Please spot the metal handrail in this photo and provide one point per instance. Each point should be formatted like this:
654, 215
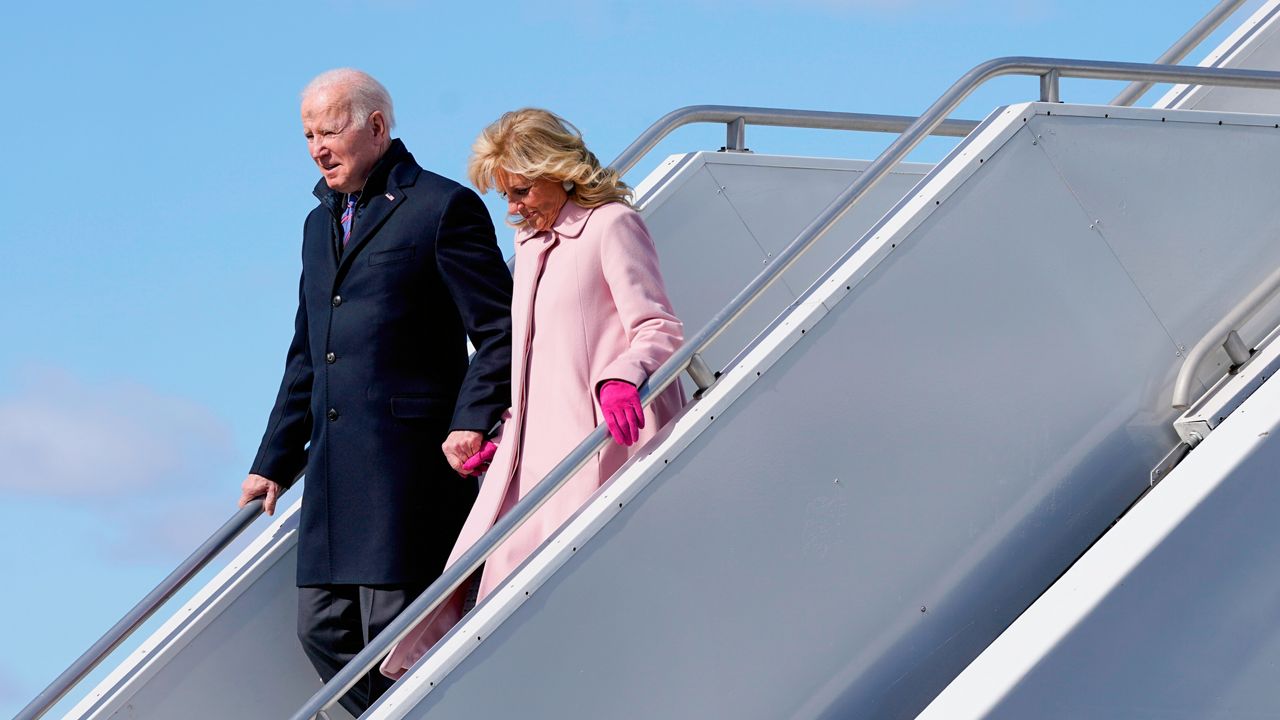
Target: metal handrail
141, 612
735, 117
1181, 48
1224, 334
1049, 69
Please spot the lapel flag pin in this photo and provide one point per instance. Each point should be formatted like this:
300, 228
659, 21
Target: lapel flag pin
390, 196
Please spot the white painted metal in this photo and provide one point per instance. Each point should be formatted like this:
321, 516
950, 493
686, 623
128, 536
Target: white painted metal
1172, 280
1254, 45
1172, 615
869, 496
721, 216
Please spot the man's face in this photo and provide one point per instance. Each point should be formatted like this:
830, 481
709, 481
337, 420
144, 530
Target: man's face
344, 152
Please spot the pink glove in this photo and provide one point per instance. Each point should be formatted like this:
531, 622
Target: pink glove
479, 462
622, 411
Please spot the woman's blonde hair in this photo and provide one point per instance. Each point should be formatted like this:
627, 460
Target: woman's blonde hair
537, 144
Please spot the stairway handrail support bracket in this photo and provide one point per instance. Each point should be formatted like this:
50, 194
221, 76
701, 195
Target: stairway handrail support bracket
1224, 334
936, 115
736, 117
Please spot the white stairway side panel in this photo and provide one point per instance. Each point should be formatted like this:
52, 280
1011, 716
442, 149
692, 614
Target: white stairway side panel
778, 197
707, 256
896, 485
1173, 614
1161, 228
722, 216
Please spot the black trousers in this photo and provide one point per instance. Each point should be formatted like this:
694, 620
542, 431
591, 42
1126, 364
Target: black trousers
336, 621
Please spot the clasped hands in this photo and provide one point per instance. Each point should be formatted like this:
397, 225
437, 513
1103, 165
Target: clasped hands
470, 454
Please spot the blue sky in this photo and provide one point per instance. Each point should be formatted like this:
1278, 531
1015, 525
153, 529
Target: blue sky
158, 180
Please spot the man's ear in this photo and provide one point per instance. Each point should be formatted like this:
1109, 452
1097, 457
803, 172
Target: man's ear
378, 124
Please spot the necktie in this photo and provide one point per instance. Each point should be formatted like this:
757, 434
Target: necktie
346, 218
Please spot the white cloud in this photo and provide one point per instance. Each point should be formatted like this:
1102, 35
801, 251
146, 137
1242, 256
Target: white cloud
61, 437
12, 692
164, 529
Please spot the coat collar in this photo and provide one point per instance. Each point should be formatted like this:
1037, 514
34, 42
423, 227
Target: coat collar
569, 223
383, 192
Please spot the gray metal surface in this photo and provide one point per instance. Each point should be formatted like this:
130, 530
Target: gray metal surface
1131, 221
1172, 615
903, 477
726, 215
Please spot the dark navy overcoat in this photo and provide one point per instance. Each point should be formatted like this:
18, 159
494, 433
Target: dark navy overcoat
377, 374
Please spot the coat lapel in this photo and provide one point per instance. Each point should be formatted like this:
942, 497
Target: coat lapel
369, 220
391, 191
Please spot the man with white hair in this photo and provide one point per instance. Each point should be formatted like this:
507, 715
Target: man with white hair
400, 267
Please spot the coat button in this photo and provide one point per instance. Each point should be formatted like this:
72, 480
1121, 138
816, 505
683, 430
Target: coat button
330, 358
333, 414
337, 300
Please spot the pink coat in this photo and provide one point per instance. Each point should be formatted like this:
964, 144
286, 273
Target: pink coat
588, 305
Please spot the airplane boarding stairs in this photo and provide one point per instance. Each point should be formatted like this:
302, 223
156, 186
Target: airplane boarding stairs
878, 484
900, 465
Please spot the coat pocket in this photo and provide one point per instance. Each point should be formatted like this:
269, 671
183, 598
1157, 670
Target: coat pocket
399, 254
421, 406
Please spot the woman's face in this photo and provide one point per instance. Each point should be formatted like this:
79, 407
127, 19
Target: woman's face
537, 201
